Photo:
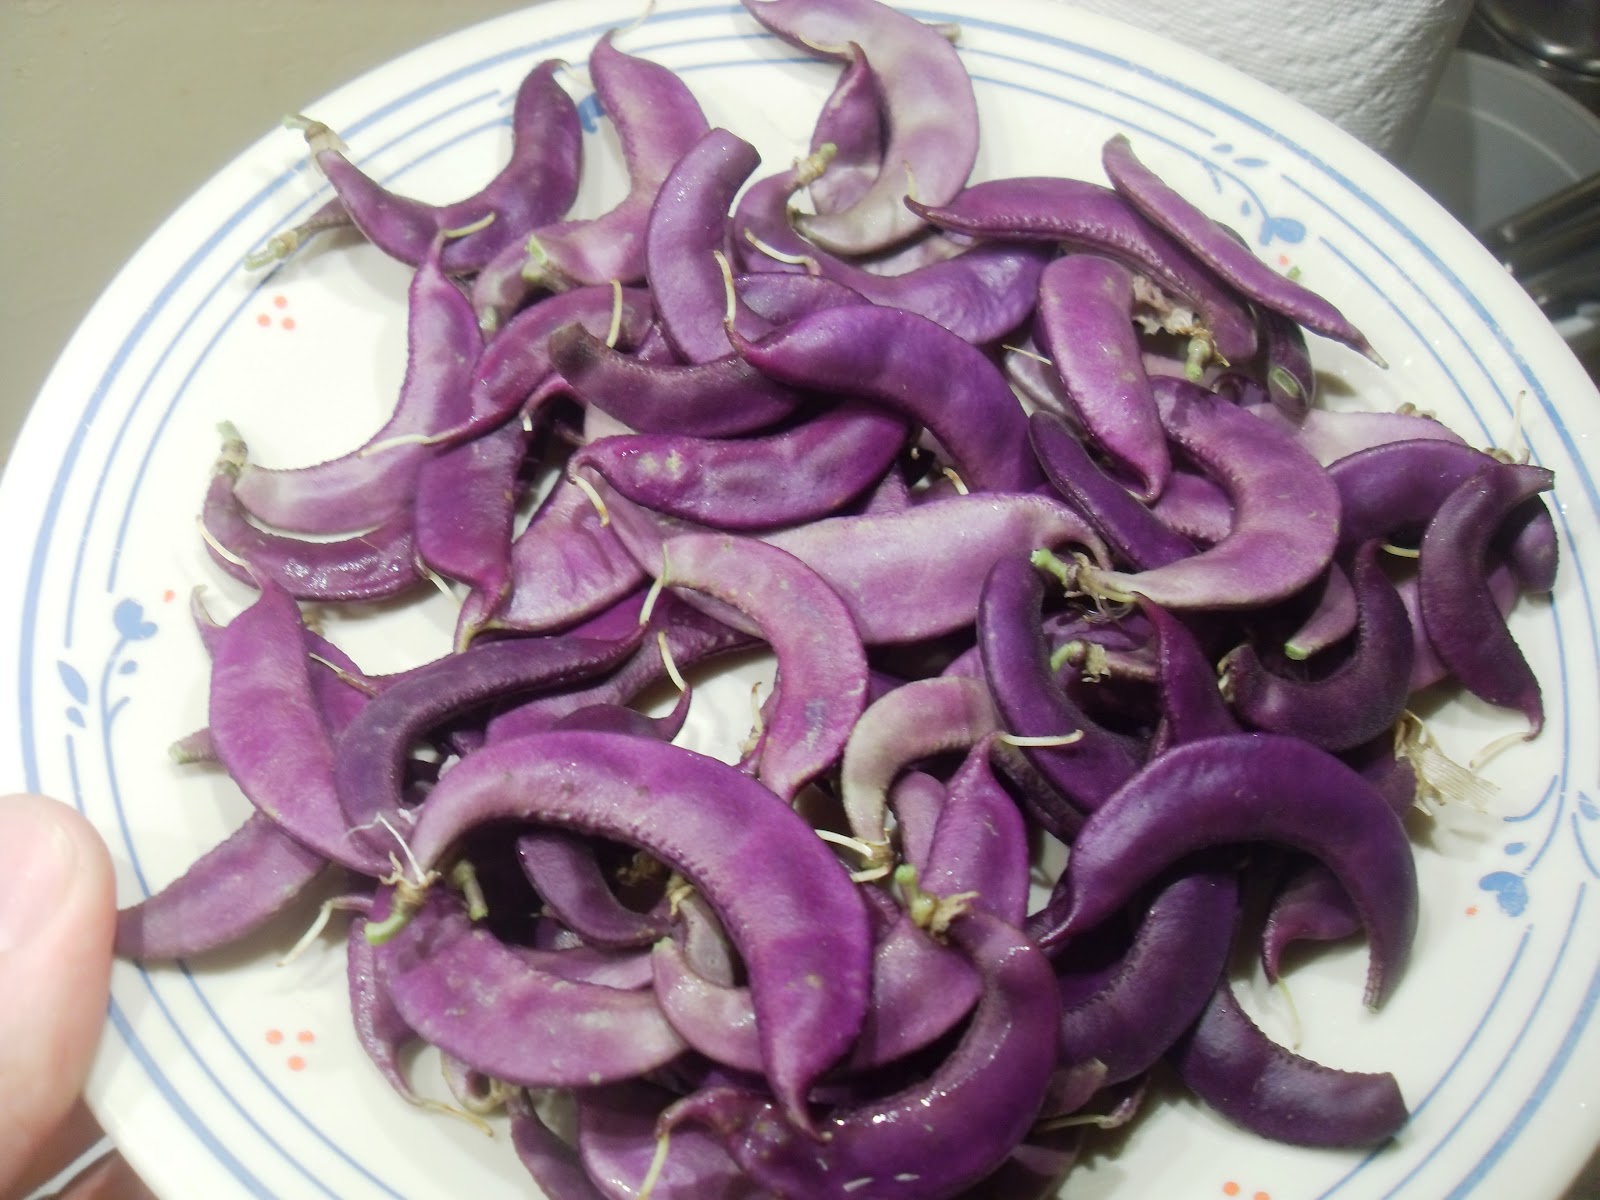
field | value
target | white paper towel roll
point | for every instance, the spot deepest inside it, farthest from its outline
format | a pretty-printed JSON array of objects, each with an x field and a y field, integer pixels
[{"x": 1369, "y": 66}]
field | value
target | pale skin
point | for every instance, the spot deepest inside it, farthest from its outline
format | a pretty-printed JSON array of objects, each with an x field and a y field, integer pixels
[{"x": 57, "y": 915}]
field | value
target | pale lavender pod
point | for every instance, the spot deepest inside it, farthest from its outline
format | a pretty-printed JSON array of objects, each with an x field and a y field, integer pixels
[{"x": 929, "y": 107}]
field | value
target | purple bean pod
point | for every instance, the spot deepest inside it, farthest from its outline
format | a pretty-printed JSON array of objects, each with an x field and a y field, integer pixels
[
  {"x": 917, "y": 368},
  {"x": 1222, "y": 252},
  {"x": 981, "y": 842},
  {"x": 1286, "y": 511},
  {"x": 1194, "y": 508},
  {"x": 537, "y": 184},
  {"x": 1332, "y": 434},
  {"x": 930, "y": 113},
  {"x": 1192, "y": 707},
  {"x": 899, "y": 1147},
  {"x": 1246, "y": 788},
  {"x": 1458, "y": 607},
  {"x": 805, "y": 472},
  {"x": 1090, "y": 217},
  {"x": 1363, "y": 696},
  {"x": 381, "y": 1030},
  {"x": 555, "y": 1166},
  {"x": 369, "y": 485},
  {"x": 617, "y": 1141},
  {"x": 1291, "y": 380},
  {"x": 1236, "y": 1069},
  {"x": 783, "y": 897},
  {"x": 1085, "y": 324},
  {"x": 851, "y": 122},
  {"x": 1331, "y": 616},
  {"x": 563, "y": 869}
]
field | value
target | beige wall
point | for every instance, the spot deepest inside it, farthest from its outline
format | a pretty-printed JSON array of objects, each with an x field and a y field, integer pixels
[{"x": 113, "y": 111}]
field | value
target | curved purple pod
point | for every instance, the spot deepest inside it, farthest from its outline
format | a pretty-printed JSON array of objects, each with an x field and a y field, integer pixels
[
  {"x": 1085, "y": 324},
  {"x": 1331, "y": 434},
  {"x": 227, "y": 894},
  {"x": 371, "y": 484},
  {"x": 917, "y": 368},
  {"x": 1331, "y": 617},
  {"x": 917, "y": 721},
  {"x": 899, "y": 1147},
  {"x": 1091, "y": 217},
  {"x": 933, "y": 557},
  {"x": 381, "y": 1030},
  {"x": 1222, "y": 252},
  {"x": 821, "y": 685},
  {"x": 555, "y": 1166},
  {"x": 1194, "y": 508},
  {"x": 1427, "y": 668},
  {"x": 1458, "y": 608},
  {"x": 1291, "y": 381},
  {"x": 1394, "y": 489},
  {"x": 785, "y": 900},
  {"x": 916, "y": 799},
  {"x": 851, "y": 121},
  {"x": 1360, "y": 699},
  {"x": 1016, "y": 662},
  {"x": 617, "y": 1143},
  {"x": 1162, "y": 984},
  {"x": 466, "y": 504},
  {"x": 981, "y": 842},
  {"x": 1244, "y": 788},
  {"x": 270, "y": 734},
  {"x": 1191, "y": 705},
  {"x": 371, "y": 566},
  {"x": 566, "y": 565},
  {"x": 536, "y": 185},
  {"x": 808, "y": 471},
  {"x": 369, "y": 763},
  {"x": 658, "y": 121},
  {"x": 1286, "y": 511},
  {"x": 716, "y": 1019},
  {"x": 1133, "y": 534},
  {"x": 688, "y": 225},
  {"x": 1236, "y": 1069},
  {"x": 979, "y": 294},
  {"x": 462, "y": 990},
  {"x": 564, "y": 871},
  {"x": 930, "y": 110}
]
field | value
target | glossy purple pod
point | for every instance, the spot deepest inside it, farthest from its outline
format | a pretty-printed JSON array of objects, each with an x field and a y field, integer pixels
[
  {"x": 1236, "y": 1069},
  {"x": 899, "y": 1147},
  {"x": 1221, "y": 251},
  {"x": 1091, "y": 217},
  {"x": 783, "y": 897},
  {"x": 916, "y": 368},
  {"x": 371, "y": 484},
  {"x": 981, "y": 842},
  {"x": 1163, "y": 982},
  {"x": 1195, "y": 508},
  {"x": 1286, "y": 511},
  {"x": 617, "y": 1144},
  {"x": 803, "y": 473},
  {"x": 1251, "y": 787},
  {"x": 464, "y": 991},
  {"x": 1363, "y": 696},
  {"x": 1085, "y": 324},
  {"x": 554, "y": 1165},
  {"x": 852, "y": 123},
  {"x": 931, "y": 114},
  {"x": 1291, "y": 380}
]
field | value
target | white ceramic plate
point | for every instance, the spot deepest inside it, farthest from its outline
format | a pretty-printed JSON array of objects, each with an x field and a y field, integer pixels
[{"x": 235, "y": 1077}]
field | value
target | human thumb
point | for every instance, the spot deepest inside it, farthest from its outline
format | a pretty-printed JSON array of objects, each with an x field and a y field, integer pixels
[{"x": 57, "y": 916}]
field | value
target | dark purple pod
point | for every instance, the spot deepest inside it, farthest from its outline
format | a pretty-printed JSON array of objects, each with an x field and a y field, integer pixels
[
  {"x": 381, "y": 1030},
  {"x": 1363, "y": 696},
  {"x": 1222, "y": 252},
  {"x": 618, "y": 1144},
  {"x": 563, "y": 869},
  {"x": 1235, "y": 1068},
  {"x": 981, "y": 842},
  {"x": 1132, "y": 533},
  {"x": 1016, "y": 663},
  {"x": 916, "y": 368},
  {"x": 1085, "y": 324},
  {"x": 899, "y": 1147},
  {"x": 1458, "y": 608},
  {"x": 1331, "y": 615},
  {"x": 554, "y": 1165},
  {"x": 786, "y": 902},
  {"x": 1090, "y": 217},
  {"x": 1286, "y": 511},
  {"x": 1192, "y": 707},
  {"x": 1247, "y": 788},
  {"x": 931, "y": 112},
  {"x": 1291, "y": 381},
  {"x": 851, "y": 122},
  {"x": 808, "y": 471},
  {"x": 1163, "y": 982},
  {"x": 1195, "y": 508},
  {"x": 462, "y": 990}
]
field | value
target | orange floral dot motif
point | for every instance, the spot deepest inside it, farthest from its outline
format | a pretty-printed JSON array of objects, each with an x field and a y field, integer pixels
[
  {"x": 295, "y": 1062},
  {"x": 285, "y": 322}
]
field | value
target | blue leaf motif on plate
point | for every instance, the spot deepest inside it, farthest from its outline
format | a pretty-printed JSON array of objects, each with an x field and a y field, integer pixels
[
  {"x": 1284, "y": 229},
  {"x": 76, "y": 687},
  {"x": 1587, "y": 807},
  {"x": 130, "y": 622},
  {"x": 1510, "y": 891},
  {"x": 1516, "y": 847},
  {"x": 590, "y": 112},
  {"x": 1249, "y": 161}
]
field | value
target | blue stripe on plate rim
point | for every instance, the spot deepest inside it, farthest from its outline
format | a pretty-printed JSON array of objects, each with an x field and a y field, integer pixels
[{"x": 205, "y": 253}]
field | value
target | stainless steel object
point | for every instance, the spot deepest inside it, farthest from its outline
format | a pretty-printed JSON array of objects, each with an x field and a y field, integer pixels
[{"x": 1558, "y": 39}]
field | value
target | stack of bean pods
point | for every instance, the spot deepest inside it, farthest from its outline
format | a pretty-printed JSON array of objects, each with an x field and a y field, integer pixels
[{"x": 816, "y": 972}]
